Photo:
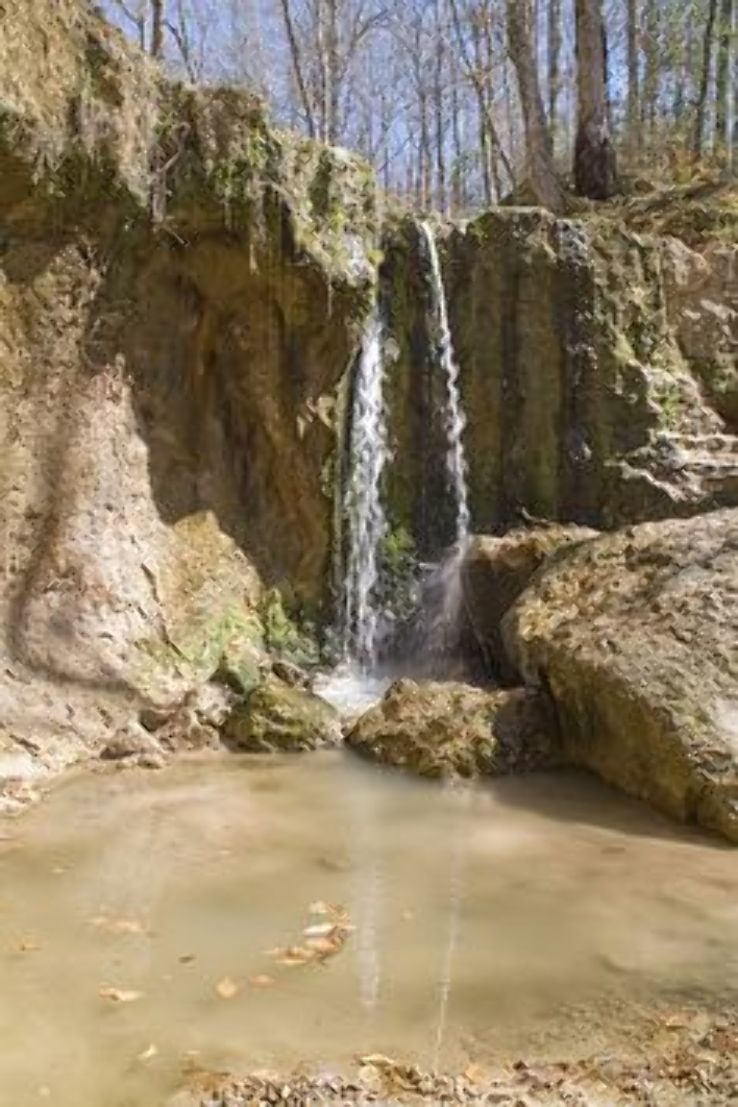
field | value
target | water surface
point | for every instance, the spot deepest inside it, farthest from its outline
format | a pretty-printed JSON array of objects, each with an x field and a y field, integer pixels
[{"x": 521, "y": 916}]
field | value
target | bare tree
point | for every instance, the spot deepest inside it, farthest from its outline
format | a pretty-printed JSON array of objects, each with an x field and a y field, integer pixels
[
  {"x": 634, "y": 96},
  {"x": 543, "y": 177},
  {"x": 554, "y": 66},
  {"x": 722, "y": 81},
  {"x": 594, "y": 154},
  {"x": 297, "y": 66},
  {"x": 157, "y": 28},
  {"x": 699, "y": 129}
]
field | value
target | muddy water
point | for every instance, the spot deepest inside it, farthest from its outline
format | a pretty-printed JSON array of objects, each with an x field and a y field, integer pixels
[{"x": 522, "y": 916}]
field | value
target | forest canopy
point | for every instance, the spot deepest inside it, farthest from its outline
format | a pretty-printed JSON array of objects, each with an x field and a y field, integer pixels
[{"x": 460, "y": 103}]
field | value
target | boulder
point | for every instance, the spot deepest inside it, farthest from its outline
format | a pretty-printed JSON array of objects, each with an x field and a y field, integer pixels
[
  {"x": 438, "y": 729},
  {"x": 495, "y": 572},
  {"x": 635, "y": 636},
  {"x": 277, "y": 716}
]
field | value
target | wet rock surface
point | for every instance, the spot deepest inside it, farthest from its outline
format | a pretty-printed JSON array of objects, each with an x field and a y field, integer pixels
[
  {"x": 280, "y": 716},
  {"x": 495, "y": 572},
  {"x": 635, "y": 635},
  {"x": 445, "y": 728}
]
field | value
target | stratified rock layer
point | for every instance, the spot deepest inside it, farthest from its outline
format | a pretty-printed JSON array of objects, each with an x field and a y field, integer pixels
[
  {"x": 495, "y": 572},
  {"x": 447, "y": 728},
  {"x": 182, "y": 289},
  {"x": 635, "y": 636},
  {"x": 598, "y": 372}
]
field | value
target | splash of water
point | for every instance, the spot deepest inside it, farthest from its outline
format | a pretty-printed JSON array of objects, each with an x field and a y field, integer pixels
[
  {"x": 363, "y": 505},
  {"x": 455, "y": 421}
]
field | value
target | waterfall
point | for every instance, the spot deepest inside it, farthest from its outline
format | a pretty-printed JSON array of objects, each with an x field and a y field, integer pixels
[
  {"x": 440, "y": 620},
  {"x": 454, "y": 415},
  {"x": 363, "y": 504}
]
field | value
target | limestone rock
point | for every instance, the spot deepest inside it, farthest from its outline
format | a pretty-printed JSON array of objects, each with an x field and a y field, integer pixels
[
  {"x": 277, "y": 716},
  {"x": 441, "y": 728},
  {"x": 133, "y": 742},
  {"x": 635, "y": 636},
  {"x": 495, "y": 572},
  {"x": 597, "y": 370}
]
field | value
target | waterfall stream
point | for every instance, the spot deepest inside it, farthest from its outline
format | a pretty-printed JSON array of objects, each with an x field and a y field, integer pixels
[
  {"x": 365, "y": 514},
  {"x": 454, "y": 419}
]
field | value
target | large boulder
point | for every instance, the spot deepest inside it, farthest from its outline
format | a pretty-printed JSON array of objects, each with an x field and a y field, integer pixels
[
  {"x": 438, "y": 729},
  {"x": 277, "y": 716},
  {"x": 495, "y": 572},
  {"x": 635, "y": 635}
]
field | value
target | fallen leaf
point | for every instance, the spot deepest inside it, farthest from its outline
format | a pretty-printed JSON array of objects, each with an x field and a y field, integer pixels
[
  {"x": 148, "y": 1053},
  {"x": 319, "y": 930},
  {"x": 295, "y": 955},
  {"x": 227, "y": 988},
  {"x": 187, "y": 958},
  {"x": 261, "y": 981},
  {"x": 476, "y": 1074},
  {"x": 118, "y": 926},
  {"x": 120, "y": 995},
  {"x": 28, "y": 946},
  {"x": 378, "y": 1060},
  {"x": 324, "y": 945}
]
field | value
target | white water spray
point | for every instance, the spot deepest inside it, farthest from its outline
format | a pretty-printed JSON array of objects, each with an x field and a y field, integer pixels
[
  {"x": 366, "y": 519},
  {"x": 455, "y": 421}
]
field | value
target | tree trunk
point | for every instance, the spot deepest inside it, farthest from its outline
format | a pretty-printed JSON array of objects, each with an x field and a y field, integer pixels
[
  {"x": 543, "y": 177},
  {"x": 699, "y": 127},
  {"x": 438, "y": 88},
  {"x": 595, "y": 173},
  {"x": 649, "y": 103},
  {"x": 157, "y": 28},
  {"x": 634, "y": 84},
  {"x": 723, "y": 90},
  {"x": 554, "y": 67}
]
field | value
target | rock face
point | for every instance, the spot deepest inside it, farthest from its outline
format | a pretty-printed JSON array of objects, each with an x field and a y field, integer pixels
[
  {"x": 635, "y": 636},
  {"x": 598, "y": 372},
  {"x": 439, "y": 729},
  {"x": 278, "y": 717},
  {"x": 182, "y": 290},
  {"x": 495, "y": 572}
]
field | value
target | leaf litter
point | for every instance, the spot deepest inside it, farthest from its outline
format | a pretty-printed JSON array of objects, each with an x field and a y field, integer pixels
[{"x": 322, "y": 940}]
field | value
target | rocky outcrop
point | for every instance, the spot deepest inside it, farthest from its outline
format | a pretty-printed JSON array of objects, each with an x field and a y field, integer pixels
[
  {"x": 182, "y": 289},
  {"x": 445, "y": 728},
  {"x": 635, "y": 636},
  {"x": 494, "y": 573},
  {"x": 278, "y": 717},
  {"x": 598, "y": 372}
]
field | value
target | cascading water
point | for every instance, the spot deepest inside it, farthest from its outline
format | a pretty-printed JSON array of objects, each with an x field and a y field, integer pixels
[
  {"x": 366, "y": 519},
  {"x": 455, "y": 421},
  {"x": 443, "y": 597}
]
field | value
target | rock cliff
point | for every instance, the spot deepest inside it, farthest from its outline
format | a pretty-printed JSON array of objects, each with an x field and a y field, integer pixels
[
  {"x": 182, "y": 288},
  {"x": 599, "y": 367}
]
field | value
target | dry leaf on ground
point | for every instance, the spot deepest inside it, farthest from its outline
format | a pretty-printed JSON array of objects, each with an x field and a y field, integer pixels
[
  {"x": 148, "y": 1053},
  {"x": 120, "y": 995},
  {"x": 261, "y": 981},
  {"x": 118, "y": 926},
  {"x": 227, "y": 988}
]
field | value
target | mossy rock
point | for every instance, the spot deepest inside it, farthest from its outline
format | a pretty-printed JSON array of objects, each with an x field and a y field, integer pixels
[
  {"x": 441, "y": 729},
  {"x": 276, "y": 717}
]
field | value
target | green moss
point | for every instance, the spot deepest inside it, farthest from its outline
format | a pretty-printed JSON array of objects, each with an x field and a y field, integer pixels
[{"x": 290, "y": 637}]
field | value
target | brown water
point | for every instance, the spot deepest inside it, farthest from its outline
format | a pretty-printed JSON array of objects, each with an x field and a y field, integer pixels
[{"x": 518, "y": 916}]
